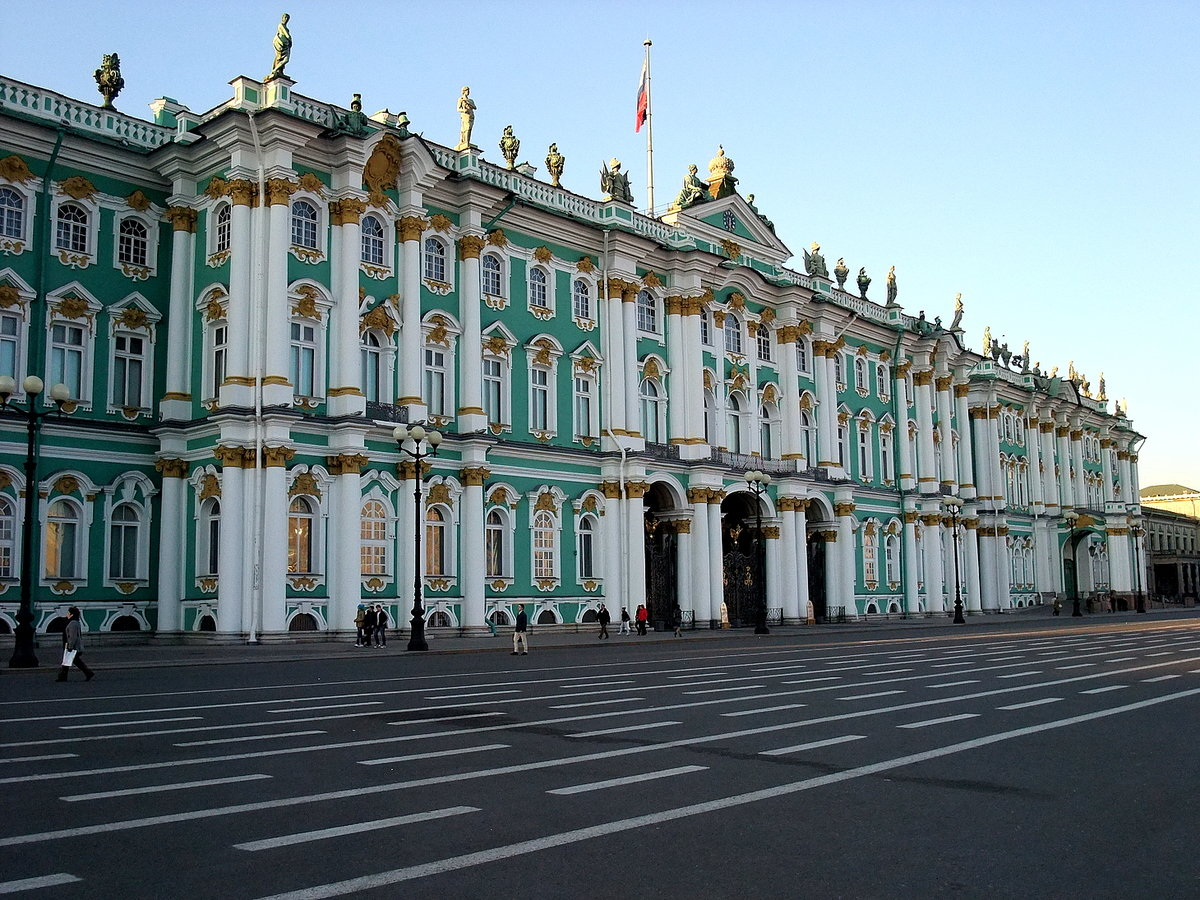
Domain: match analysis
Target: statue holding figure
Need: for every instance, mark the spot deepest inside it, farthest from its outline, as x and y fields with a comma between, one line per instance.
x=615, y=183
x=466, y=113
x=555, y=163
x=1025, y=358
x=283, y=49
x=754, y=209
x=864, y=282
x=814, y=263
x=891, y=286
x=108, y=79
x=694, y=190
x=958, y=313
x=841, y=272
x=510, y=146
x=1102, y=389
x=987, y=340
x=354, y=123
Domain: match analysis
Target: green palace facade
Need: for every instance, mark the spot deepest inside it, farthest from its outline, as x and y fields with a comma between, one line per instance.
x=244, y=303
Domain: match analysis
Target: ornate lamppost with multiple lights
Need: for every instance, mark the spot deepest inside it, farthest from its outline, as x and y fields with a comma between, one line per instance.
x=1072, y=518
x=954, y=511
x=1136, y=533
x=424, y=445
x=23, y=654
x=757, y=482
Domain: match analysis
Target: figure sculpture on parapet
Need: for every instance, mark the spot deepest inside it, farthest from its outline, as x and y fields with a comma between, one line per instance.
x=466, y=113
x=694, y=190
x=283, y=49
x=614, y=183
x=555, y=163
x=108, y=79
x=958, y=313
x=864, y=282
x=814, y=263
x=841, y=272
x=510, y=146
x=891, y=286
x=354, y=123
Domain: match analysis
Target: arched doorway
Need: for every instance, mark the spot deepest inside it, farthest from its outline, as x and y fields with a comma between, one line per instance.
x=816, y=575
x=662, y=542
x=744, y=560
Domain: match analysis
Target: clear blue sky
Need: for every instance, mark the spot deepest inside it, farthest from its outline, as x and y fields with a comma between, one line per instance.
x=1039, y=157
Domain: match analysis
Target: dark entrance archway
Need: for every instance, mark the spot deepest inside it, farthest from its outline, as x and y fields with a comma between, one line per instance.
x=816, y=575
x=744, y=560
x=662, y=545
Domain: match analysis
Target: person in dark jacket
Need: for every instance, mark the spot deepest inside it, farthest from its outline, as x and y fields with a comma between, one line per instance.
x=624, y=621
x=368, y=625
x=677, y=620
x=519, y=633
x=359, y=618
x=603, y=618
x=381, y=624
x=73, y=644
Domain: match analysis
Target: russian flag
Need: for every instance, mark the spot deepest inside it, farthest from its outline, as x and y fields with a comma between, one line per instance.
x=643, y=97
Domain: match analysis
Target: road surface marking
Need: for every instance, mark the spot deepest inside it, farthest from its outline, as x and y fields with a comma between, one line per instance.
x=628, y=779
x=249, y=737
x=437, y=754
x=1030, y=703
x=1159, y=678
x=597, y=685
x=888, y=672
x=726, y=690
x=871, y=696
x=1076, y=666
x=473, y=694
x=942, y=721
x=1122, y=659
x=1105, y=690
x=815, y=680
x=1160, y=653
x=21, y=759
x=1019, y=674
x=599, y=702
x=695, y=674
x=305, y=837
x=949, y=684
x=813, y=745
x=765, y=709
x=133, y=722
x=622, y=729
x=160, y=788
x=28, y=884
x=327, y=707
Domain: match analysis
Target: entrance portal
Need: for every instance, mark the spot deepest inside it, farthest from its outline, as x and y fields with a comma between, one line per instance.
x=816, y=575
x=743, y=562
x=662, y=539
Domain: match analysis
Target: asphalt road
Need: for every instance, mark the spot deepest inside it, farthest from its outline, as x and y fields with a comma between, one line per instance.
x=1057, y=762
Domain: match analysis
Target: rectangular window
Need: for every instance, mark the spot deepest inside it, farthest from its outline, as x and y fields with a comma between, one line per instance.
x=583, y=407
x=60, y=549
x=9, y=345
x=304, y=357
x=66, y=357
x=539, y=400
x=128, y=357
x=220, y=335
x=587, y=564
x=493, y=386
x=864, y=452
x=435, y=382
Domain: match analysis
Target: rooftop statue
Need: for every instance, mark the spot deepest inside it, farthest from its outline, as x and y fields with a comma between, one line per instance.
x=841, y=272
x=555, y=163
x=108, y=79
x=754, y=209
x=721, y=181
x=694, y=190
x=1102, y=389
x=987, y=340
x=510, y=146
x=1025, y=358
x=891, y=286
x=466, y=113
x=354, y=123
x=283, y=49
x=864, y=282
x=814, y=263
x=615, y=183
x=1054, y=372
x=958, y=313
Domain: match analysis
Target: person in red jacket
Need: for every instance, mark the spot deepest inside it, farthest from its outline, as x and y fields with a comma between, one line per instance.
x=642, y=616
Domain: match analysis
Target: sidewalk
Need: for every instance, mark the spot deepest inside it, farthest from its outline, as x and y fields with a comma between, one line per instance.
x=109, y=654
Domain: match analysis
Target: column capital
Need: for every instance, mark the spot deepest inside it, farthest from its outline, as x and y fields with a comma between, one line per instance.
x=635, y=490
x=943, y=382
x=243, y=192
x=410, y=228
x=346, y=464
x=611, y=489
x=170, y=467
x=277, y=457
x=844, y=508
x=470, y=246
x=183, y=218
x=923, y=378
x=232, y=457
x=474, y=476
x=280, y=190
x=347, y=211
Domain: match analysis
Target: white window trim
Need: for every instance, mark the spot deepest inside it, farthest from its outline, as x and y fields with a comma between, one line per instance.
x=448, y=578
x=134, y=491
x=87, y=320
x=591, y=428
x=546, y=583
x=385, y=269
x=28, y=192
x=508, y=528
x=320, y=321
x=386, y=351
x=151, y=219
x=67, y=257
x=533, y=349
x=550, y=311
x=212, y=256
x=597, y=562
x=320, y=521
x=448, y=330
x=586, y=323
x=375, y=581
x=82, y=535
x=147, y=332
x=320, y=253
x=441, y=288
x=660, y=330
x=659, y=405
x=505, y=270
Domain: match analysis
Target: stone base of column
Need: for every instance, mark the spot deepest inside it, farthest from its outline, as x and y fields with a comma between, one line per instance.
x=237, y=395
x=694, y=451
x=277, y=394
x=346, y=405
x=472, y=422
x=178, y=410
x=476, y=631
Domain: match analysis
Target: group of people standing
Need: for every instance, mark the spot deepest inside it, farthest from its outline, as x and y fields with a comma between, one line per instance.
x=371, y=622
x=641, y=618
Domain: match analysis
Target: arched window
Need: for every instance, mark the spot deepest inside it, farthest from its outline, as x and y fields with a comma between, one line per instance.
x=124, y=531
x=585, y=551
x=373, y=552
x=652, y=411
x=883, y=377
x=372, y=366
x=705, y=327
x=581, y=299
x=132, y=243
x=647, y=313
x=209, y=552
x=300, y=535
x=8, y=537
x=435, y=541
x=768, y=428
x=543, y=546
x=861, y=382
x=733, y=334
x=870, y=549
x=710, y=416
x=762, y=336
x=304, y=225
x=224, y=215
x=733, y=420
x=808, y=437
x=372, y=241
x=802, y=354
x=892, y=552
x=12, y=214
x=435, y=260
x=72, y=231
x=496, y=545
x=491, y=273
x=62, y=557
x=539, y=296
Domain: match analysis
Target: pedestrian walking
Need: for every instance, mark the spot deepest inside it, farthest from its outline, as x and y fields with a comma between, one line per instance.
x=359, y=619
x=677, y=620
x=603, y=618
x=72, y=647
x=642, y=616
x=624, y=620
x=381, y=624
x=519, y=633
x=368, y=625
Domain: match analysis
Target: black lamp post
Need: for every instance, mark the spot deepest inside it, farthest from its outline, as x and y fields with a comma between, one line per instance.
x=954, y=511
x=1071, y=518
x=757, y=482
x=424, y=445
x=23, y=654
x=1136, y=533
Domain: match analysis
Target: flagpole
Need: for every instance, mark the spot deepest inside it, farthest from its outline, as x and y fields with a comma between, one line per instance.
x=649, y=137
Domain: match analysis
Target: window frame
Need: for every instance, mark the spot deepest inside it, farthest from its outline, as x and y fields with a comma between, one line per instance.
x=78, y=541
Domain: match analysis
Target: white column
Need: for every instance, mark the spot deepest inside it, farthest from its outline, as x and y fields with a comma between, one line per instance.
x=1127, y=492
x=927, y=479
x=471, y=416
x=346, y=396
x=614, y=368
x=345, y=541
x=237, y=390
x=846, y=555
x=1120, y=560
x=912, y=563
x=635, y=525
x=788, y=563
x=691, y=379
x=1109, y=495
x=970, y=539
x=801, y=551
x=1135, y=480
x=472, y=550
x=774, y=553
x=949, y=472
x=966, y=469
x=276, y=341
x=1049, y=481
x=789, y=403
x=406, y=562
x=833, y=573
x=1066, y=487
x=275, y=538
x=826, y=405
x=176, y=401
x=701, y=570
x=410, y=363
x=170, y=544
x=993, y=446
x=677, y=402
x=935, y=596
x=985, y=490
x=988, y=561
x=232, y=550
x=716, y=562
x=684, y=595
x=1077, y=462
x=1003, y=568
x=632, y=372
x=1033, y=455
x=614, y=573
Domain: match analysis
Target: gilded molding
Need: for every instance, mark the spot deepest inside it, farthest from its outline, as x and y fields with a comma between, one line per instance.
x=182, y=218
x=470, y=246
x=1046, y=427
x=923, y=378
x=698, y=495
x=943, y=382
x=635, y=490
x=14, y=169
x=347, y=211
x=242, y=192
x=277, y=457
x=474, y=476
x=77, y=187
x=961, y=390
x=903, y=367
x=170, y=467
x=1077, y=435
x=231, y=457
x=410, y=228
x=843, y=509
x=346, y=464
x=771, y=532
x=279, y=191
x=1062, y=431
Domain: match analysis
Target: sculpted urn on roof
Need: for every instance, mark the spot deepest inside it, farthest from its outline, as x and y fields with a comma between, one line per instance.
x=721, y=182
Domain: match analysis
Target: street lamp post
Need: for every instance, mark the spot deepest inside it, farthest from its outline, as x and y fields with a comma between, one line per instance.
x=757, y=482
x=1071, y=518
x=1136, y=533
x=24, y=656
x=424, y=445
x=954, y=511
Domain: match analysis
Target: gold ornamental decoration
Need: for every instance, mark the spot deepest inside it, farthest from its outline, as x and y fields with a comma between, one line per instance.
x=440, y=493
x=382, y=168
x=306, y=306
x=171, y=468
x=497, y=238
x=279, y=191
x=469, y=246
x=182, y=218
x=311, y=183
x=379, y=319
x=243, y=192
x=68, y=484
x=72, y=307
x=650, y=369
x=542, y=254
x=305, y=484
x=651, y=280
x=10, y=297
x=77, y=187
x=585, y=265
x=732, y=248
x=138, y=201
x=496, y=345
x=14, y=169
x=210, y=487
x=133, y=317
x=409, y=228
x=474, y=476
x=545, y=501
x=217, y=188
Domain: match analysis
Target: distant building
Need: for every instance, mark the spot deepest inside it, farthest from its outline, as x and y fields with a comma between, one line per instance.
x=244, y=302
x=1172, y=522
